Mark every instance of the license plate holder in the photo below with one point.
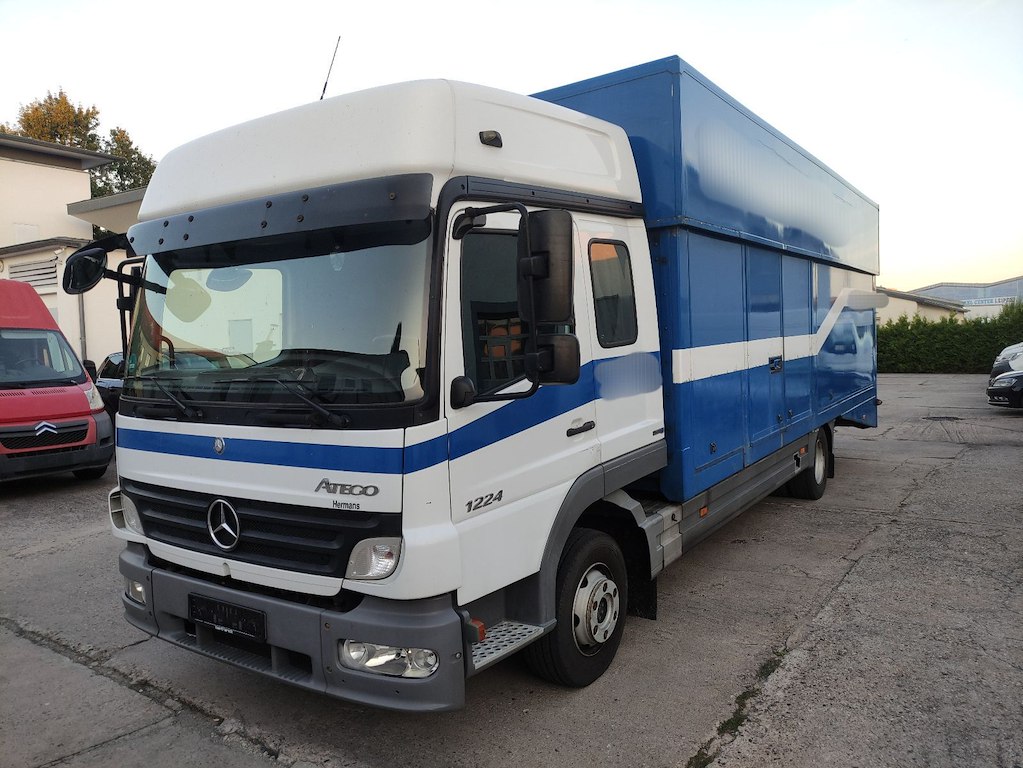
(227, 617)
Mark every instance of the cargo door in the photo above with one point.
(511, 462)
(712, 373)
(796, 298)
(765, 353)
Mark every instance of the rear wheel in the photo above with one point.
(812, 481)
(592, 594)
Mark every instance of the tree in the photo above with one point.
(133, 170)
(56, 119)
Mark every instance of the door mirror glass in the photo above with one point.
(84, 269)
(548, 265)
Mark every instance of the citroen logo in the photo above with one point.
(223, 524)
(44, 426)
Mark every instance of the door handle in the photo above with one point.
(572, 431)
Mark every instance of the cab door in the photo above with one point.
(626, 360)
(511, 462)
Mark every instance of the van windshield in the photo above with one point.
(336, 317)
(30, 357)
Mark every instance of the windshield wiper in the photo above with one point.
(59, 382)
(187, 411)
(299, 390)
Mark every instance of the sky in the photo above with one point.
(916, 103)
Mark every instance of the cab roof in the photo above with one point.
(21, 307)
(430, 126)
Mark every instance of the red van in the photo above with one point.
(51, 415)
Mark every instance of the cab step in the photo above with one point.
(503, 639)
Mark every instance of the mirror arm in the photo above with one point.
(125, 299)
(499, 398)
(471, 218)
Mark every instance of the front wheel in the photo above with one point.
(592, 595)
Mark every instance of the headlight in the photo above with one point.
(388, 659)
(135, 590)
(95, 401)
(374, 558)
(1005, 381)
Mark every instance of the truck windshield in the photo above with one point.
(301, 321)
(31, 357)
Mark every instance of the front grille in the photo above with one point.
(24, 439)
(45, 440)
(47, 452)
(293, 538)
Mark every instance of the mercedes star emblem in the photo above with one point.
(223, 524)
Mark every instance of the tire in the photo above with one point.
(812, 481)
(590, 605)
(92, 473)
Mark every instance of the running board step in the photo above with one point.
(503, 639)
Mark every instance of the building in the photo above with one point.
(915, 304)
(45, 215)
(979, 299)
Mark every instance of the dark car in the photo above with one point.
(1009, 359)
(109, 380)
(1006, 390)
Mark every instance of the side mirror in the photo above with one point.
(90, 368)
(548, 265)
(463, 392)
(84, 269)
(556, 361)
(88, 265)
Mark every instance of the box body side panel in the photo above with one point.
(706, 161)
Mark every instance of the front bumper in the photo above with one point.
(301, 645)
(16, 466)
(1007, 397)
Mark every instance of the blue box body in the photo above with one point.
(757, 249)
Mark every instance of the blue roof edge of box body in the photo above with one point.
(707, 162)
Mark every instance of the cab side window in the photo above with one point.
(614, 297)
(493, 335)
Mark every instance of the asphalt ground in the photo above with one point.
(880, 626)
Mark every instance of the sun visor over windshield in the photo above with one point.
(392, 198)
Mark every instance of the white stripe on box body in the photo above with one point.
(698, 363)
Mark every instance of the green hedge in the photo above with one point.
(947, 346)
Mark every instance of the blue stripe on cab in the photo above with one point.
(519, 415)
(616, 376)
(425, 455)
(309, 456)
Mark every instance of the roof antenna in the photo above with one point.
(331, 67)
